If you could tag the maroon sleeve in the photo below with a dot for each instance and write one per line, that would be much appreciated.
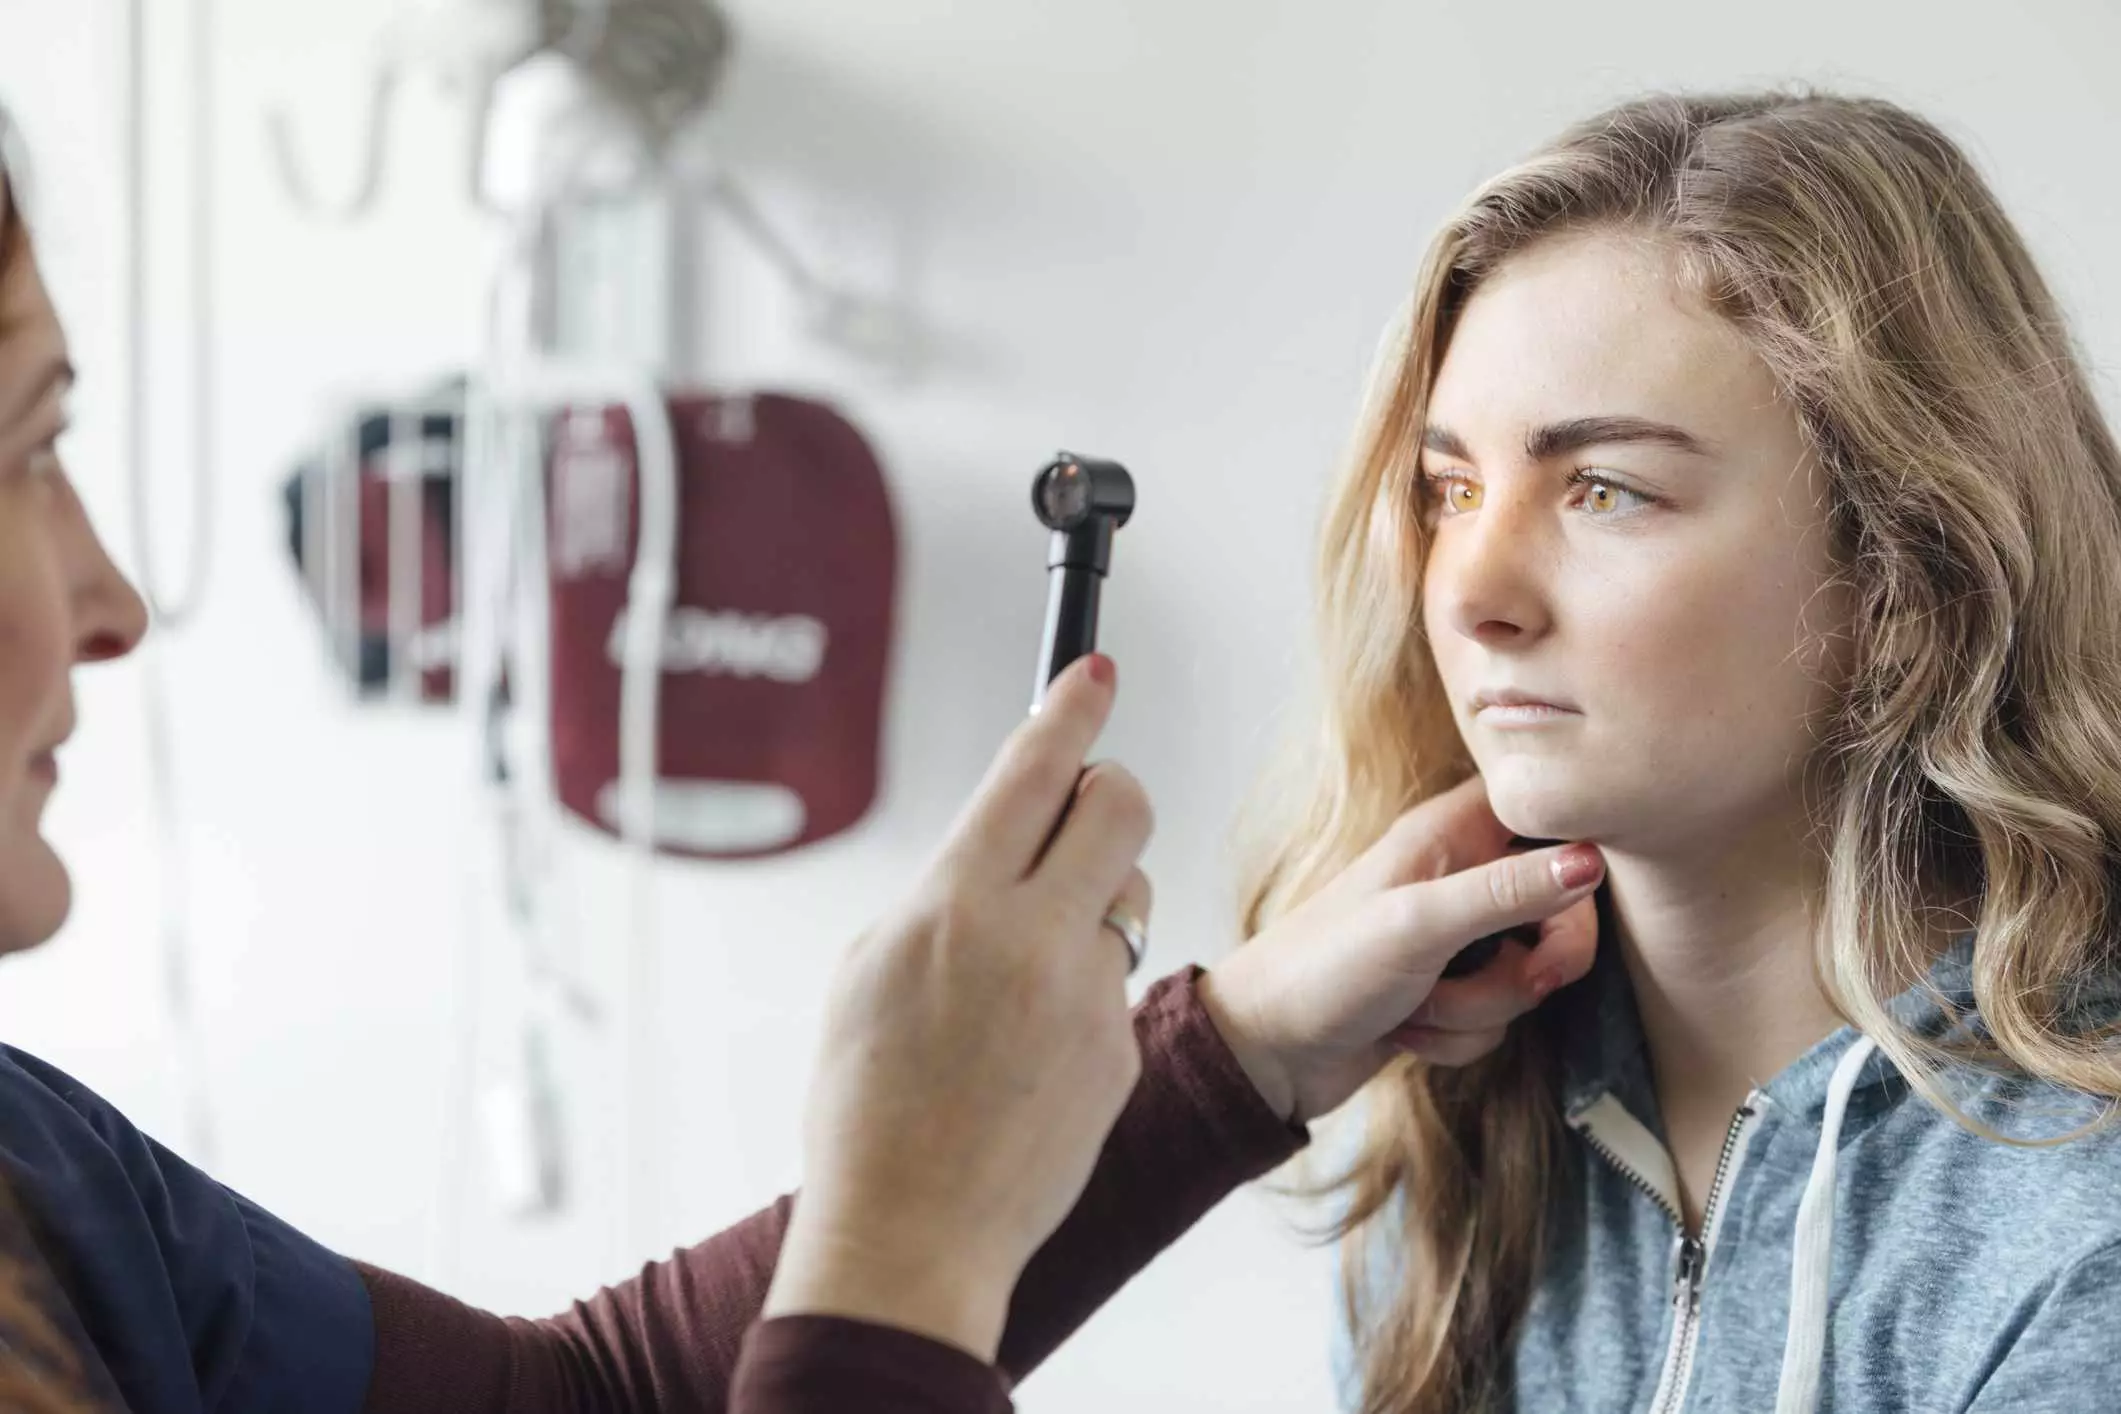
(670, 1339)
(824, 1365)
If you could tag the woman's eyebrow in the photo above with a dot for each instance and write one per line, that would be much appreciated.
(1444, 442)
(1576, 433)
(1579, 432)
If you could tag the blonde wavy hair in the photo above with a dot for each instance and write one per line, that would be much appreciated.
(1975, 755)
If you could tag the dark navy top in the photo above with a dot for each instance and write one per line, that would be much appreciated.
(183, 1297)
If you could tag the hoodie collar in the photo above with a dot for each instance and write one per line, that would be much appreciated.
(1602, 1051)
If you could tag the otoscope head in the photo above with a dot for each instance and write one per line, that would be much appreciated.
(1084, 502)
(1072, 491)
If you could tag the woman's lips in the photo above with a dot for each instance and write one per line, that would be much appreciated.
(1523, 714)
(1509, 707)
(44, 766)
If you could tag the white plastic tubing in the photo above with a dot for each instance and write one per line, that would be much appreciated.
(172, 609)
(503, 603)
(513, 396)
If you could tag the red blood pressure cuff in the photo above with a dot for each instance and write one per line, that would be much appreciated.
(775, 653)
(351, 563)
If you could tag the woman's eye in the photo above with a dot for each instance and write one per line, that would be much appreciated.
(1448, 494)
(1601, 495)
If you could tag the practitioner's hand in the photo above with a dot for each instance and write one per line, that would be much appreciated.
(1325, 996)
(977, 1046)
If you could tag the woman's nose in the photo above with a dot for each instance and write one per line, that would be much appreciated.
(115, 619)
(1489, 575)
(110, 618)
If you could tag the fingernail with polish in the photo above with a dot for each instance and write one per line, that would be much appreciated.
(1578, 865)
(1101, 669)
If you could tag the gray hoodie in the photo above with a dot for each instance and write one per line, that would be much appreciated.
(1860, 1251)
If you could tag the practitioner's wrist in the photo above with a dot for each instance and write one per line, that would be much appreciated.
(890, 1273)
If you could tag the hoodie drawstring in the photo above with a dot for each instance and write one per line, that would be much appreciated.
(1811, 1265)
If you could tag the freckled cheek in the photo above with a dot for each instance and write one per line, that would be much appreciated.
(1705, 647)
(1444, 647)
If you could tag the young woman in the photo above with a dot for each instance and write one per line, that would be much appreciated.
(992, 1147)
(1732, 496)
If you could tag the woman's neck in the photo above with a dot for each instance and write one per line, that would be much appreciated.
(1719, 951)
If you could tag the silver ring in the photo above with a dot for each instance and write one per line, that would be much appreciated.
(1132, 931)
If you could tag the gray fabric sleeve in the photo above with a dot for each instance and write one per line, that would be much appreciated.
(2062, 1359)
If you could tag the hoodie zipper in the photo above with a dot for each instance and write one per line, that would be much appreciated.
(1690, 1253)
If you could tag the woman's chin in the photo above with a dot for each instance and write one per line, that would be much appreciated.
(36, 893)
(1539, 801)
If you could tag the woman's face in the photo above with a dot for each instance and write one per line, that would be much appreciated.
(1628, 525)
(62, 602)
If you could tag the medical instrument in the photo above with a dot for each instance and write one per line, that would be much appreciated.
(1084, 501)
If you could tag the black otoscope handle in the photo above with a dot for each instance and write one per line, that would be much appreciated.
(1076, 563)
(1078, 557)
(1073, 594)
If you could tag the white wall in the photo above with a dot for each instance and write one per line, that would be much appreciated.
(1166, 232)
